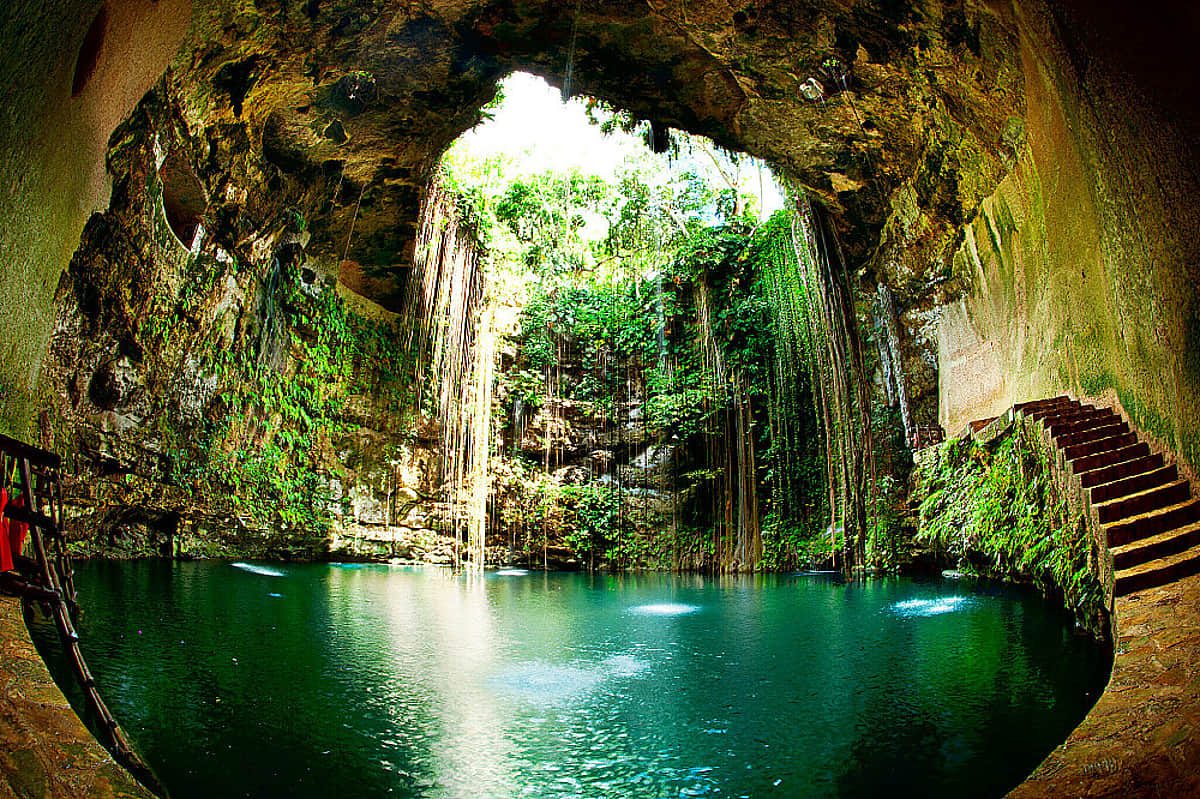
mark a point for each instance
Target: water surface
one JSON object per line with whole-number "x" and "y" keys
{"x": 315, "y": 680}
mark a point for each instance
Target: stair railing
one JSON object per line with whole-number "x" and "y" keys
{"x": 47, "y": 579}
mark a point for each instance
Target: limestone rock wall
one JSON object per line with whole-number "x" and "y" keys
{"x": 1082, "y": 267}
{"x": 214, "y": 390}
{"x": 991, "y": 150}
{"x": 63, "y": 93}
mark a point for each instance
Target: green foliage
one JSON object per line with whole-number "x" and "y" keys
{"x": 261, "y": 443}
{"x": 681, "y": 403}
{"x": 788, "y": 545}
{"x": 298, "y": 219}
{"x": 998, "y": 510}
{"x": 593, "y": 520}
{"x": 596, "y": 332}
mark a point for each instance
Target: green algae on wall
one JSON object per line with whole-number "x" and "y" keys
{"x": 226, "y": 400}
{"x": 1084, "y": 260}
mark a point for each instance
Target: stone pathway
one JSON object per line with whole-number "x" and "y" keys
{"x": 45, "y": 751}
{"x": 1142, "y": 739}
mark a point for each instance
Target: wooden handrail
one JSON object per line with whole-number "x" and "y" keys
{"x": 47, "y": 578}
{"x": 35, "y": 455}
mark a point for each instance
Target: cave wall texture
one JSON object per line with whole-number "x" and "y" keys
{"x": 1083, "y": 265}
{"x": 54, "y": 129}
{"x": 1021, "y": 174}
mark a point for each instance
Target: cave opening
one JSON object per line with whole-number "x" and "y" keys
{"x": 917, "y": 146}
{"x": 183, "y": 199}
{"x": 598, "y": 230}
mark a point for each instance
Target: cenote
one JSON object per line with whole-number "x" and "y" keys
{"x": 319, "y": 680}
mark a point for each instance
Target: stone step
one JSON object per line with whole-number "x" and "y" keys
{"x": 1104, "y": 475}
{"x": 1149, "y": 518}
{"x": 1071, "y": 406}
{"x": 1144, "y": 502}
{"x": 979, "y": 424}
{"x": 1090, "y": 434}
{"x": 1071, "y": 423}
{"x": 1057, "y": 409}
{"x": 1048, "y": 415}
{"x": 1133, "y": 484}
{"x": 1090, "y": 462}
{"x": 1158, "y": 572}
{"x": 1151, "y": 523}
{"x": 1155, "y": 547}
{"x": 1042, "y": 403}
{"x": 1083, "y": 421}
{"x": 1099, "y": 445}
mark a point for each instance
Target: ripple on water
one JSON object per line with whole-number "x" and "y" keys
{"x": 624, "y": 666}
{"x": 929, "y": 607}
{"x": 262, "y": 570}
{"x": 664, "y": 609}
{"x": 545, "y": 683}
{"x": 548, "y": 683}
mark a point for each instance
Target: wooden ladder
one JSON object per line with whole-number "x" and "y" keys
{"x": 47, "y": 578}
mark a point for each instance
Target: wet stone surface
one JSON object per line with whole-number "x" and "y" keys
{"x": 1142, "y": 739}
{"x": 45, "y": 751}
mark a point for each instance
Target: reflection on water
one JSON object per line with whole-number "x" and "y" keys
{"x": 260, "y": 570}
{"x": 665, "y": 609}
{"x": 395, "y": 681}
{"x": 930, "y": 607}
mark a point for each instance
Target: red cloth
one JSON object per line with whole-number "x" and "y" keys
{"x": 17, "y": 530}
{"x": 6, "y": 561}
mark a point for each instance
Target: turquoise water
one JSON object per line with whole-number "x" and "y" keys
{"x": 321, "y": 680}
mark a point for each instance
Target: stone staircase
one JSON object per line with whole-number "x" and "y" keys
{"x": 1143, "y": 507}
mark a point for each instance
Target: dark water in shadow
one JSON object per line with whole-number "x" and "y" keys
{"x": 363, "y": 681}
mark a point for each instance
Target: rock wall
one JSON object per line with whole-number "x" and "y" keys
{"x": 218, "y": 393}
{"x": 1083, "y": 265}
{"x": 70, "y": 75}
{"x": 990, "y": 150}
{"x": 341, "y": 109}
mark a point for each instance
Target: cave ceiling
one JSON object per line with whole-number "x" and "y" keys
{"x": 337, "y": 110}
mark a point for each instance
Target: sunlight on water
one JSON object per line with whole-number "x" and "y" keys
{"x": 930, "y": 607}
{"x": 512, "y": 572}
{"x": 263, "y": 570}
{"x": 553, "y": 683}
{"x": 665, "y": 609}
{"x": 371, "y": 682}
{"x": 624, "y": 666}
{"x": 545, "y": 683}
